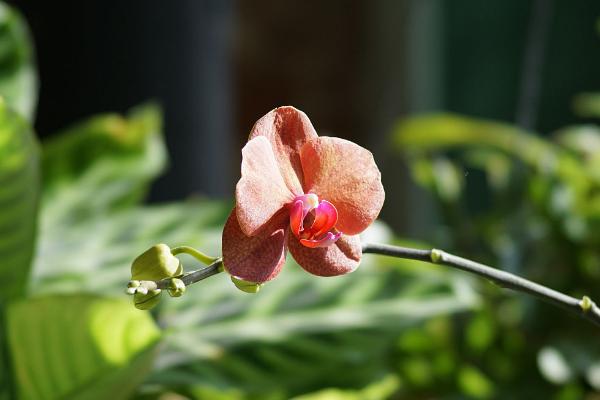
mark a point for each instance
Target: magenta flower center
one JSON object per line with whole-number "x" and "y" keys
{"x": 313, "y": 221}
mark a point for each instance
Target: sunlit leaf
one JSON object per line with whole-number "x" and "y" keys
{"x": 435, "y": 132}
{"x": 380, "y": 390}
{"x": 79, "y": 347}
{"x": 18, "y": 77}
{"x": 95, "y": 254}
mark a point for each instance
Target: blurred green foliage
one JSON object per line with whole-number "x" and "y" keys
{"x": 393, "y": 329}
{"x": 68, "y": 330}
{"x": 530, "y": 206}
{"x": 18, "y": 77}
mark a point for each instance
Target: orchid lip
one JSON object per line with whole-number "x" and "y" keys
{"x": 327, "y": 240}
{"x": 313, "y": 221}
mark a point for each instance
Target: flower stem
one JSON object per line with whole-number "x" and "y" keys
{"x": 584, "y": 307}
{"x": 188, "y": 279}
{"x": 198, "y": 255}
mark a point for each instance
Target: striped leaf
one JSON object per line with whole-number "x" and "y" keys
{"x": 296, "y": 332}
{"x": 79, "y": 347}
{"x": 19, "y": 184}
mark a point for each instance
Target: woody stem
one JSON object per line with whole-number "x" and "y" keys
{"x": 584, "y": 307}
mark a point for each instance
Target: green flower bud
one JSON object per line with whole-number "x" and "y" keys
{"x": 146, "y": 301}
{"x": 176, "y": 288}
{"x": 155, "y": 264}
{"x": 245, "y": 286}
{"x": 142, "y": 290}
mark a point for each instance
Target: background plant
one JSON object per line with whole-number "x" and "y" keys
{"x": 68, "y": 330}
{"x": 72, "y": 219}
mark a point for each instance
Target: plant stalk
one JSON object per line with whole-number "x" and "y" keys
{"x": 584, "y": 307}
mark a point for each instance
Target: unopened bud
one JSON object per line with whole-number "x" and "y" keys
{"x": 142, "y": 290}
{"x": 155, "y": 264}
{"x": 245, "y": 286}
{"x": 146, "y": 301}
{"x": 176, "y": 287}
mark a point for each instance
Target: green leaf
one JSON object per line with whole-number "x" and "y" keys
{"x": 102, "y": 164}
{"x": 18, "y": 77}
{"x": 79, "y": 347}
{"x": 19, "y": 184}
{"x": 582, "y": 139}
{"x": 561, "y": 182}
{"x": 432, "y": 132}
{"x": 221, "y": 336}
{"x": 379, "y": 390}
{"x": 95, "y": 254}
{"x": 587, "y": 105}
{"x": 301, "y": 329}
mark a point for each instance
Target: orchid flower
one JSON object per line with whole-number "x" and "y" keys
{"x": 303, "y": 193}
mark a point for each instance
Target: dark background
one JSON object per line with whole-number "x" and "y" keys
{"x": 353, "y": 66}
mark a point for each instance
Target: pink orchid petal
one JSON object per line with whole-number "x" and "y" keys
{"x": 327, "y": 240}
{"x": 345, "y": 174}
{"x": 257, "y": 258}
{"x": 340, "y": 258}
{"x": 261, "y": 191}
{"x": 297, "y": 215}
{"x": 287, "y": 129}
{"x": 325, "y": 218}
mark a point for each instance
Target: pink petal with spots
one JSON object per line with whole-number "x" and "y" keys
{"x": 261, "y": 191}
{"x": 288, "y": 129}
{"x": 257, "y": 258}
{"x": 346, "y": 175}
{"x": 340, "y": 258}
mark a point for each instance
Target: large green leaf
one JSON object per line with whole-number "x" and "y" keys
{"x": 436, "y": 132}
{"x": 301, "y": 330}
{"x": 18, "y": 77}
{"x": 221, "y": 336}
{"x": 79, "y": 347}
{"x": 94, "y": 254}
{"x": 19, "y": 184}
